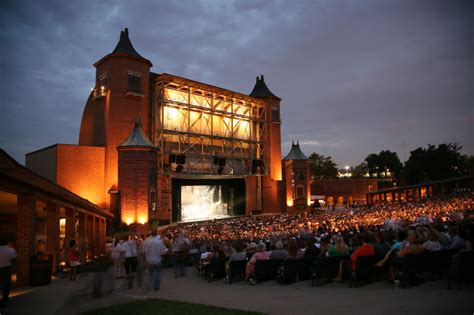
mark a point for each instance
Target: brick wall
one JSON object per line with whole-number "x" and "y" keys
{"x": 25, "y": 241}
{"x": 52, "y": 232}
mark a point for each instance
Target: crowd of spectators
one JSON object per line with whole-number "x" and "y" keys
{"x": 381, "y": 230}
{"x": 283, "y": 226}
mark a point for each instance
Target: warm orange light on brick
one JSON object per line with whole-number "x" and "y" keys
{"x": 289, "y": 202}
{"x": 142, "y": 217}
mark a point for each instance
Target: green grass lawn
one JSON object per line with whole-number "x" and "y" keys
{"x": 163, "y": 307}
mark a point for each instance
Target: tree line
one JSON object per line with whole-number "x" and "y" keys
{"x": 424, "y": 164}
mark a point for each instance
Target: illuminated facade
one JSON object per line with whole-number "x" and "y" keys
{"x": 153, "y": 134}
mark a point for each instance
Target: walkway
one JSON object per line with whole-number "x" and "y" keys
{"x": 64, "y": 297}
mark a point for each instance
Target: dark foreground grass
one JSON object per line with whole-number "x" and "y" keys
{"x": 164, "y": 307}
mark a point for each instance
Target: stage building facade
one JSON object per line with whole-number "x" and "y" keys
{"x": 161, "y": 148}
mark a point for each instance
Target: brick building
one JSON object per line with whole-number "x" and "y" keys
{"x": 155, "y": 147}
{"x": 40, "y": 216}
{"x": 344, "y": 191}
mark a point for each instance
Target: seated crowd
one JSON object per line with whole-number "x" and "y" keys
{"x": 446, "y": 223}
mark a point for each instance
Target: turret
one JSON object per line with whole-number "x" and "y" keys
{"x": 138, "y": 160}
{"x": 120, "y": 94}
{"x": 297, "y": 179}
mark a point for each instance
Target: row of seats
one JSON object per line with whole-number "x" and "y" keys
{"x": 458, "y": 266}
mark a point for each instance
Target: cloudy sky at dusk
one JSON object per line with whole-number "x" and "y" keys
{"x": 355, "y": 77}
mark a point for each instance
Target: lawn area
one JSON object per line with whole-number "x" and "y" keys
{"x": 163, "y": 307}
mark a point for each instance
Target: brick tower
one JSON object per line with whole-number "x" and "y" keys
{"x": 137, "y": 161}
{"x": 296, "y": 170}
{"x": 270, "y": 184}
{"x": 120, "y": 95}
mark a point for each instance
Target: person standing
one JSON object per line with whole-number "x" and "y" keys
{"x": 7, "y": 257}
{"x": 118, "y": 257}
{"x": 153, "y": 249}
{"x": 130, "y": 247}
{"x": 140, "y": 261}
{"x": 180, "y": 251}
{"x": 74, "y": 255}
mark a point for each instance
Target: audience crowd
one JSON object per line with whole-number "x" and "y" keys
{"x": 384, "y": 230}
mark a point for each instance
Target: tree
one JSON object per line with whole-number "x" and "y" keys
{"x": 435, "y": 163}
{"x": 383, "y": 163}
{"x": 322, "y": 167}
{"x": 359, "y": 171}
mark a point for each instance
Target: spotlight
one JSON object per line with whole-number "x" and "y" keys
{"x": 179, "y": 169}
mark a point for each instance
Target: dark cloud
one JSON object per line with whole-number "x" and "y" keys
{"x": 355, "y": 76}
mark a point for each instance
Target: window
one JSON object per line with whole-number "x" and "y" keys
{"x": 275, "y": 114}
{"x": 299, "y": 192}
{"x": 103, "y": 82}
{"x": 134, "y": 83}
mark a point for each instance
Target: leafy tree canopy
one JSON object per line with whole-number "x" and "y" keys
{"x": 322, "y": 167}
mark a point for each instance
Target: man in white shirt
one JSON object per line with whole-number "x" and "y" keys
{"x": 130, "y": 248}
{"x": 7, "y": 257}
{"x": 153, "y": 249}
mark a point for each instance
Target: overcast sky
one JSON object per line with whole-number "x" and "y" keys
{"x": 355, "y": 77}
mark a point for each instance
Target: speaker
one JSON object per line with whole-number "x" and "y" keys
{"x": 219, "y": 161}
{"x": 179, "y": 169}
{"x": 172, "y": 158}
{"x": 220, "y": 170}
{"x": 222, "y": 162}
{"x": 256, "y": 165}
{"x": 180, "y": 159}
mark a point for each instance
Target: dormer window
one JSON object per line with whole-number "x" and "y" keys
{"x": 275, "y": 114}
{"x": 134, "y": 83}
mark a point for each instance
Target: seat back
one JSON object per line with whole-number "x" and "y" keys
{"x": 305, "y": 267}
{"x": 363, "y": 265}
{"x": 216, "y": 268}
{"x": 328, "y": 265}
{"x": 266, "y": 270}
{"x": 237, "y": 267}
{"x": 292, "y": 266}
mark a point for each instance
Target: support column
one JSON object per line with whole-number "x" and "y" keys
{"x": 26, "y": 236}
{"x": 385, "y": 197}
{"x": 82, "y": 234}
{"x": 428, "y": 191}
{"x": 103, "y": 235}
{"x": 52, "y": 225}
{"x": 90, "y": 236}
{"x": 70, "y": 227}
{"x": 96, "y": 236}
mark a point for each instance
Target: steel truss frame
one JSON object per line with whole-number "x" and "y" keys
{"x": 203, "y": 122}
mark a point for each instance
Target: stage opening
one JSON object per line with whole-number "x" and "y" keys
{"x": 196, "y": 200}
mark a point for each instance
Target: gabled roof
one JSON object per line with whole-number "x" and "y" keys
{"x": 124, "y": 48}
{"x": 261, "y": 89}
{"x": 295, "y": 153}
{"x": 137, "y": 137}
